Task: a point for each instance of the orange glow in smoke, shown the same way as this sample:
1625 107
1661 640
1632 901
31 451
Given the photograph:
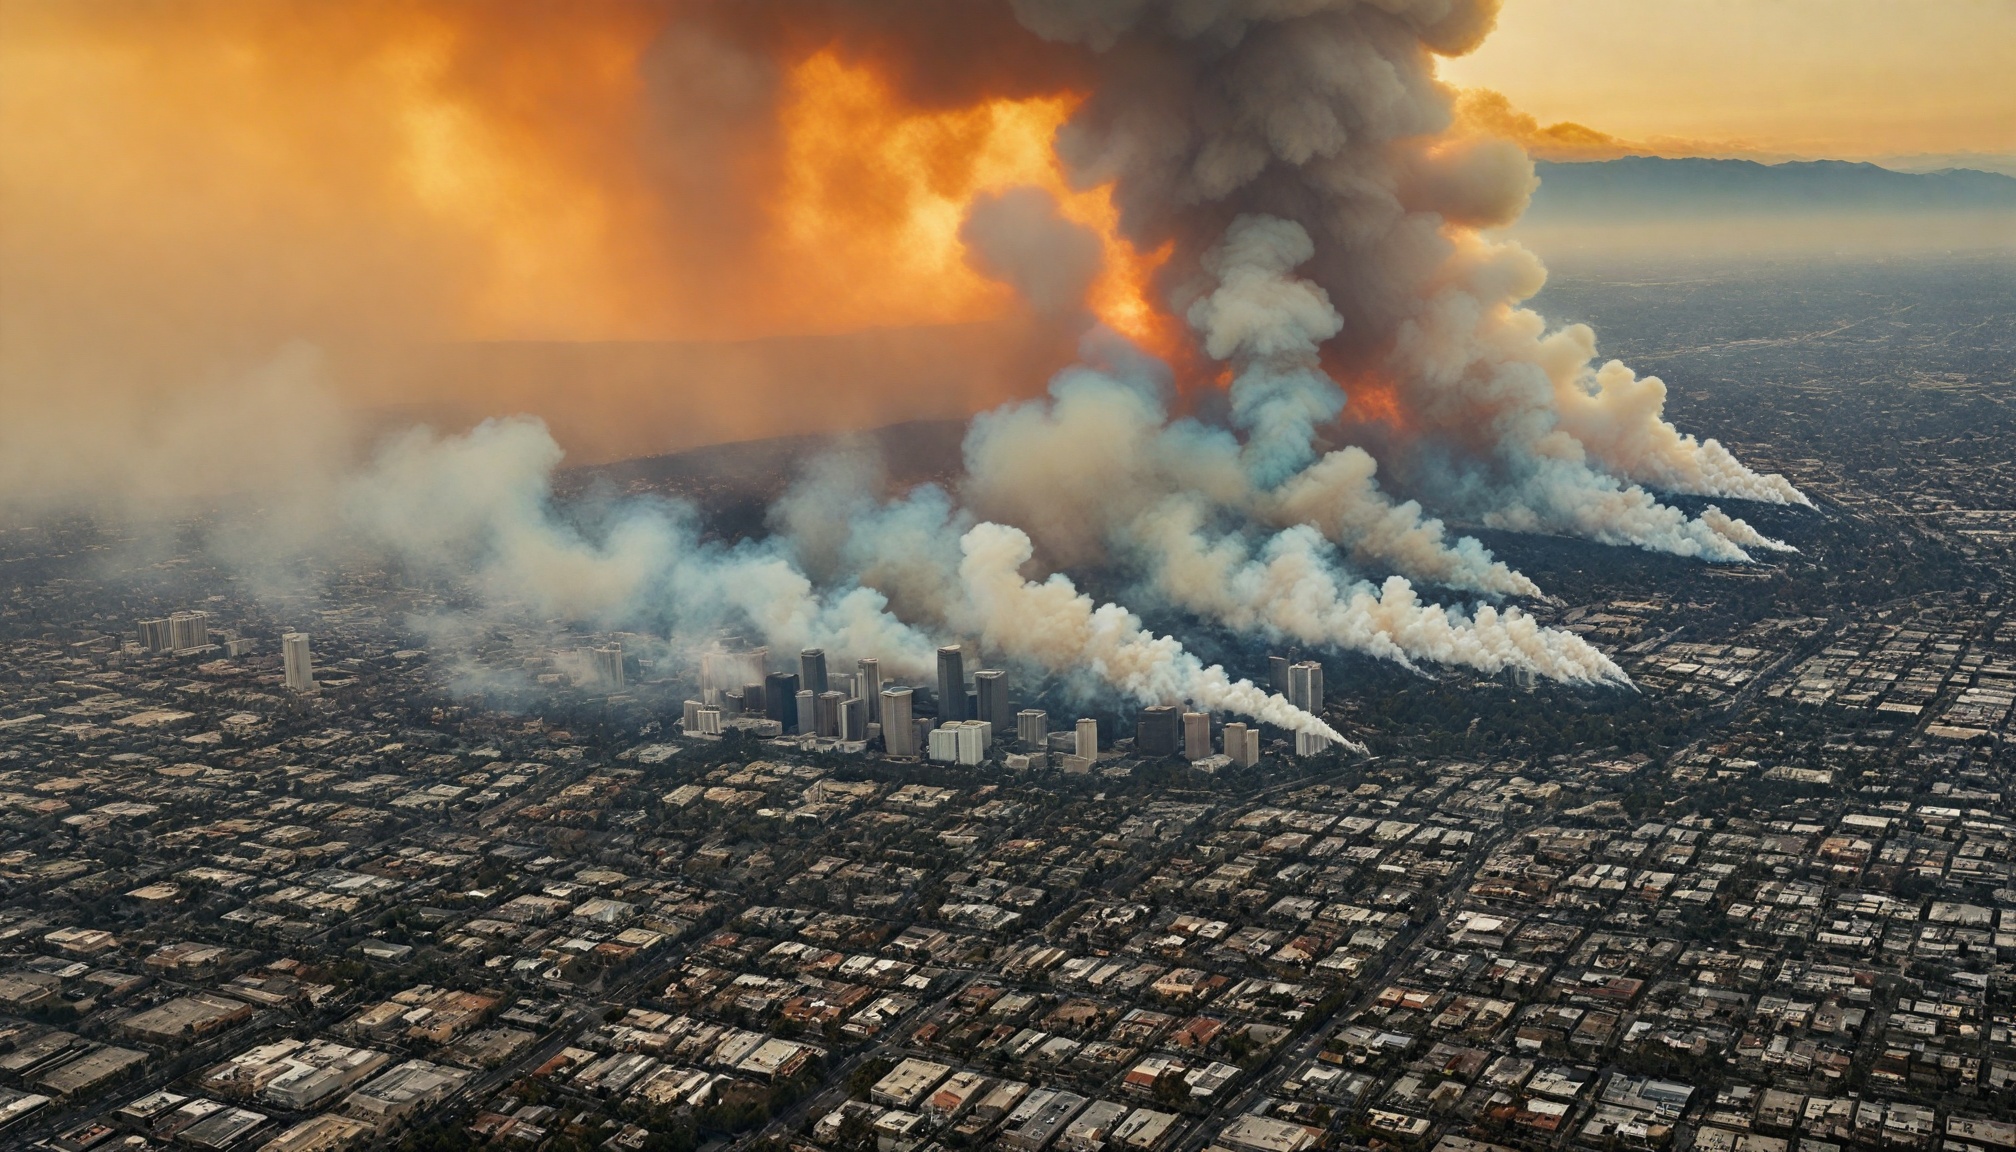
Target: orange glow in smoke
867 215
1374 399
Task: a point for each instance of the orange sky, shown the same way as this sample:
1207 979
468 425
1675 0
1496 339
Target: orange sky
1849 79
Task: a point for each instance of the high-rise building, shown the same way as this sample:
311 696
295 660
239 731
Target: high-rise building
734 704
812 670
1156 731
826 711
721 670
1032 728
708 721
961 742
1242 744
942 746
1311 743
752 699
808 713
854 720
154 635
951 684
1277 673
188 632
899 737
605 665
1196 735
990 688
869 670
1088 739
299 665
1305 686
780 698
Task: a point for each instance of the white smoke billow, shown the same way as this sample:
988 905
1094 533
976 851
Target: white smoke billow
1056 627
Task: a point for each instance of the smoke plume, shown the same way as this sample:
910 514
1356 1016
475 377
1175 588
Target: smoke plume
661 223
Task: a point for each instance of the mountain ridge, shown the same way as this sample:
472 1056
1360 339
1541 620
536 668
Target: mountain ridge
1651 187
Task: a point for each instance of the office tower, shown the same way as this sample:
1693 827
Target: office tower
1242 744
1156 731
899 738
951 684
722 670
709 720
1277 673
1305 686
961 742
300 666
780 698
943 744
1032 728
854 720
189 631
1196 735
808 713
1310 743
605 664
736 704
921 728
812 670
975 737
827 714
752 700
689 719
1088 738
870 688
990 688
154 635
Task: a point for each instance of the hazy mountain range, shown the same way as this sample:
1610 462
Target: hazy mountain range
1650 188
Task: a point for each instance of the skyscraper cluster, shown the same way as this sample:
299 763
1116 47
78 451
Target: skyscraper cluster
964 716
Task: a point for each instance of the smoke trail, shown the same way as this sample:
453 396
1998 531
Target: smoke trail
1056 627
1098 476
1293 590
1339 496
480 507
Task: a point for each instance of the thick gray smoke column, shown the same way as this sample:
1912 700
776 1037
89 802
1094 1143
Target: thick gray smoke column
1325 117
1270 325
1021 238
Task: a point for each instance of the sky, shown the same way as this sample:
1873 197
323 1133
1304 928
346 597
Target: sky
1846 79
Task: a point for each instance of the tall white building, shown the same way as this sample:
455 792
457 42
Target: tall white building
299 664
1305 686
189 631
1242 744
869 689
1032 728
961 742
1311 743
1088 738
899 735
1196 735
